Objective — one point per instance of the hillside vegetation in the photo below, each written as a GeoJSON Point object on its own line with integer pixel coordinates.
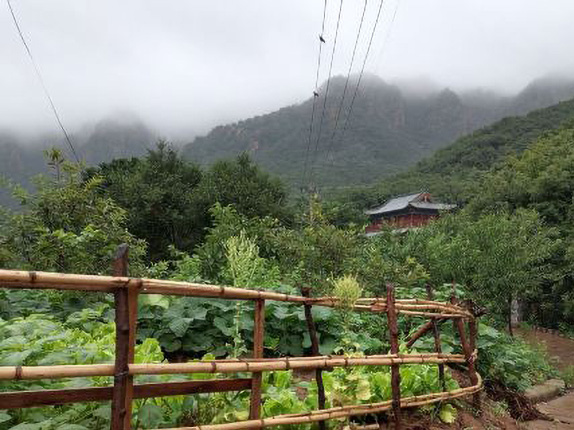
{"type": "Point", "coordinates": [390, 130]}
{"type": "Point", "coordinates": [455, 173]}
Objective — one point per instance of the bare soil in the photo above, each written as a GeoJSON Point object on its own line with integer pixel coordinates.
{"type": "Point", "coordinates": [560, 410]}
{"type": "Point", "coordinates": [560, 349]}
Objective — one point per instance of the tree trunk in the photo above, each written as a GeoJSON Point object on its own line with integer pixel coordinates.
{"type": "Point", "coordinates": [509, 310]}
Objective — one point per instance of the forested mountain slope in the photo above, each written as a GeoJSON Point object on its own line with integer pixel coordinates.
{"type": "Point", "coordinates": [454, 171]}
{"type": "Point", "coordinates": [389, 130]}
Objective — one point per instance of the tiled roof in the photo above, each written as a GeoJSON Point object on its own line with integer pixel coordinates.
{"type": "Point", "coordinates": [396, 204]}
{"type": "Point", "coordinates": [402, 202]}
{"type": "Point", "coordinates": [428, 205]}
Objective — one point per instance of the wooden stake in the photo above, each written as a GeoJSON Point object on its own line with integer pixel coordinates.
{"type": "Point", "coordinates": [306, 292]}
{"type": "Point", "coordinates": [473, 334]}
{"type": "Point", "coordinates": [395, 368]}
{"type": "Point", "coordinates": [466, 346]}
{"type": "Point", "coordinates": [258, 338]}
{"type": "Point", "coordinates": [423, 329]}
{"type": "Point", "coordinates": [437, 344]}
{"type": "Point", "coordinates": [125, 324]}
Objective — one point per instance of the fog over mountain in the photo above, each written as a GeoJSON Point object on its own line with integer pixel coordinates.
{"type": "Point", "coordinates": [392, 127]}
{"type": "Point", "coordinates": [389, 130]}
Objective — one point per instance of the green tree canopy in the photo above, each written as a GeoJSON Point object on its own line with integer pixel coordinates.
{"type": "Point", "coordinates": [66, 226]}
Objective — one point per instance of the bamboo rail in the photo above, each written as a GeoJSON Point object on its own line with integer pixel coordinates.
{"type": "Point", "coordinates": [126, 291]}
{"type": "Point", "coordinates": [33, 399]}
{"type": "Point", "coordinates": [58, 281]}
{"type": "Point", "coordinates": [338, 412]}
{"type": "Point", "coordinates": [252, 365]}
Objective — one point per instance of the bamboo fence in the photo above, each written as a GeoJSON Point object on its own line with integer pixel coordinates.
{"type": "Point", "coordinates": [126, 291]}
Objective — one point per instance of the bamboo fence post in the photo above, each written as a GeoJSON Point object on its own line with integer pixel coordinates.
{"type": "Point", "coordinates": [312, 328]}
{"type": "Point", "coordinates": [473, 333]}
{"type": "Point", "coordinates": [466, 346]}
{"type": "Point", "coordinates": [126, 315]}
{"type": "Point", "coordinates": [437, 343]}
{"type": "Point", "coordinates": [256, 378]}
{"type": "Point", "coordinates": [395, 368]}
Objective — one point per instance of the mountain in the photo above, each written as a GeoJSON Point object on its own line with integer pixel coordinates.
{"type": "Point", "coordinates": [392, 127]}
{"type": "Point", "coordinates": [21, 160]}
{"type": "Point", "coordinates": [389, 130]}
{"type": "Point", "coordinates": [455, 173]}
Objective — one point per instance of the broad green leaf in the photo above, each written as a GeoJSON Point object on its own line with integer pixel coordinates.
{"type": "Point", "coordinates": [150, 415]}
{"type": "Point", "coordinates": [225, 326]}
{"type": "Point", "coordinates": [4, 417]}
{"type": "Point", "coordinates": [363, 390]}
{"type": "Point", "coordinates": [179, 326]}
{"type": "Point", "coordinates": [155, 300]}
{"type": "Point", "coordinates": [26, 426]}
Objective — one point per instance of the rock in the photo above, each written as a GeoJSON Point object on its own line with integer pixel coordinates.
{"type": "Point", "coordinates": [546, 391]}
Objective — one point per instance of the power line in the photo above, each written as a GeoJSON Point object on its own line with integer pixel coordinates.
{"type": "Point", "coordinates": [362, 69]}
{"type": "Point", "coordinates": [387, 34]}
{"type": "Point", "coordinates": [328, 84]}
{"type": "Point", "coordinates": [346, 81]}
{"type": "Point", "coordinates": [44, 87]}
{"type": "Point", "coordinates": [315, 92]}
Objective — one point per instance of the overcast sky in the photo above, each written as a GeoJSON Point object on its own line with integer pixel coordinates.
{"type": "Point", "coordinates": [184, 66]}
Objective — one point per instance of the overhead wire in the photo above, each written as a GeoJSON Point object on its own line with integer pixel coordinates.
{"type": "Point", "coordinates": [327, 87]}
{"type": "Point", "coordinates": [350, 111]}
{"type": "Point", "coordinates": [339, 110]}
{"type": "Point", "coordinates": [42, 83]}
{"type": "Point", "coordinates": [315, 92]}
{"type": "Point", "coordinates": [387, 34]}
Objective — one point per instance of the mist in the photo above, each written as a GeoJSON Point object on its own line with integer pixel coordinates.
{"type": "Point", "coordinates": [185, 67]}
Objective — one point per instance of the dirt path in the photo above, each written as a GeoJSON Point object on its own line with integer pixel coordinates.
{"type": "Point", "coordinates": [561, 351]}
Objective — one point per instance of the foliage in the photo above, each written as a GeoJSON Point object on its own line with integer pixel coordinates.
{"type": "Point", "coordinates": [503, 360]}
{"type": "Point", "coordinates": [347, 290]}
{"type": "Point", "coordinates": [455, 173]}
{"type": "Point", "coordinates": [567, 375]}
{"type": "Point", "coordinates": [158, 194]}
{"type": "Point", "coordinates": [210, 261]}
{"type": "Point", "coordinates": [82, 339]}
{"type": "Point", "coordinates": [541, 179]}
{"type": "Point", "coordinates": [67, 226]}
{"type": "Point", "coordinates": [169, 200]}
{"type": "Point", "coordinates": [496, 256]}
{"type": "Point", "coordinates": [243, 263]}
{"type": "Point", "coordinates": [391, 130]}
{"type": "Point", "coordinates": [510, 361]}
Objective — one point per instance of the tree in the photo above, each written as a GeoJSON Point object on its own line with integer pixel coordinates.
{"type": "Point", "coordinates": [168, 199]}
{"type": "Point", "coordinates": [158, 194]}
{"type": "Point", "coordinates": [66, 226]}
{"type": "Point", "coordinates": [497, 256]}
{"type": "Point", "coordinates": [240, 183]}
{"type": "Point", "coordinates": [541, 179]}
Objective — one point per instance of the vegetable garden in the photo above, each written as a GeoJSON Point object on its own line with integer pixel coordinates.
{"type": "Point", "coordinates": [126, 291]}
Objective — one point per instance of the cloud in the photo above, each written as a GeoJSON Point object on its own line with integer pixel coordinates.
{"type": "Point", "coordinates": [186, 66]}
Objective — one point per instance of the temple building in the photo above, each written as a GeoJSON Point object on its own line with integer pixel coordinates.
{"type": "Point", "coordinates": [408, 211]}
